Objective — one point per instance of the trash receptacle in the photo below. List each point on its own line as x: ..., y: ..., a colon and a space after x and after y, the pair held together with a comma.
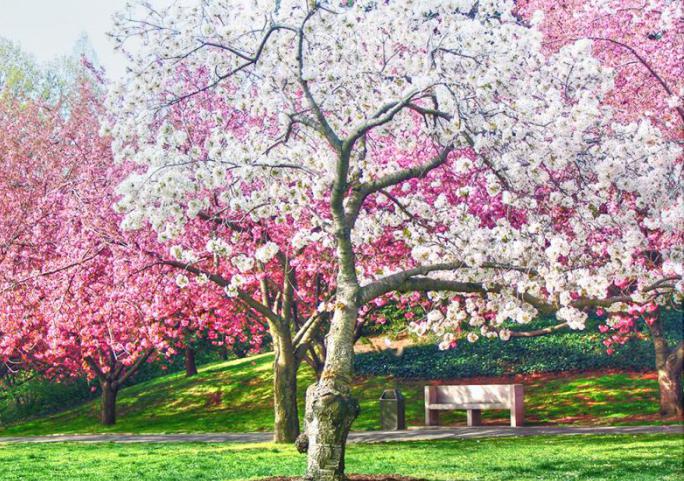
x: 392, y: 409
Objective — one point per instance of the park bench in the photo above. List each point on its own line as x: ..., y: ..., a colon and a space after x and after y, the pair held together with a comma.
x: 474, y: 398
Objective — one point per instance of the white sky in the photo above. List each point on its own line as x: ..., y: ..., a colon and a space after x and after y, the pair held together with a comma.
x: 50, y: 28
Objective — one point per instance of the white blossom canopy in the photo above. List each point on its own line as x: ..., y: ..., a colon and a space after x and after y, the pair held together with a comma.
x: 499, y: 167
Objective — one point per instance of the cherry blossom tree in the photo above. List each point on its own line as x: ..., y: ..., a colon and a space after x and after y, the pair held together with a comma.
x: 643, y: 42
x: 441, y: 128
x: 79, y: 296
x: 63, y: 311
x: 277, y: 271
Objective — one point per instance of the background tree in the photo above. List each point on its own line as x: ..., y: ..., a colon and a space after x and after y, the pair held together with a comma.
x: 80, y: 297
x: 644, y: 44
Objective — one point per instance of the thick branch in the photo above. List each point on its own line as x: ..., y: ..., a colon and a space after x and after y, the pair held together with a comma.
x: 391, y: 282
x: 306, y: 334
x: 539, y: 332
x: 383, y: 116
x: 134, y: 368
x: 364, y: 190
x: 223, y: 282
x: 324, y: 125
x: 93, y: 365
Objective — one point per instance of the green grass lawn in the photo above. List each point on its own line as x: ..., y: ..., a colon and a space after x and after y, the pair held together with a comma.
x: 235, y: 396
x: 596, y: 458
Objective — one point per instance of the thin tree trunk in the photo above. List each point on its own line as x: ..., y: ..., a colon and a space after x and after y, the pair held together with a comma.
x: 190, y: 366
x: 331, y: 409
x: 111, y: 381
x: 669, y: 368
x: 108, y: 414
x: 286, y: 426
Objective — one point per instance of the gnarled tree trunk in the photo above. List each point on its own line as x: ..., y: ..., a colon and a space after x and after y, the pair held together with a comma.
x: 331, y: 409
x: 190, y: 365
x: 669, y: 368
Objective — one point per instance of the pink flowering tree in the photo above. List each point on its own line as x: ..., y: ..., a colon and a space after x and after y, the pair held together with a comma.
x: 79, y: 296
x: 439, y: 129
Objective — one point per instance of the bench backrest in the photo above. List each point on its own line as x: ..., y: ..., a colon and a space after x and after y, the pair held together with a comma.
x: 496, y: 394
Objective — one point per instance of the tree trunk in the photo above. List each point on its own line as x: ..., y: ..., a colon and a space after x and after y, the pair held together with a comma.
x: 190, y: 366
x: 670, y: 384
x: 331, y: 409
x: 109, y: 393
x: 224, y: 352
x: 285, y: 366
x: 669, y: 367
x: 286, y: 427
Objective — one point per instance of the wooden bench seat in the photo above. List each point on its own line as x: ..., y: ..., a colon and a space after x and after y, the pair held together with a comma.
x: 474, y: 398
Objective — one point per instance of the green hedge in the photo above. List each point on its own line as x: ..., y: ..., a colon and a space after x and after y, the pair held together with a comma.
x: 553, y: 353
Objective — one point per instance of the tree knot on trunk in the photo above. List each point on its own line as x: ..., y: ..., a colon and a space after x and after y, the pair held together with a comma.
x: 302, y: 443
x: 330, y: 414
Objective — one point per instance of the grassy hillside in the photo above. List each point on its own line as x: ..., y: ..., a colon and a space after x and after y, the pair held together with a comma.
x: 235, y: 396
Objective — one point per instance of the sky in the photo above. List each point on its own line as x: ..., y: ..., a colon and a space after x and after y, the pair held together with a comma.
x: 51, y: 28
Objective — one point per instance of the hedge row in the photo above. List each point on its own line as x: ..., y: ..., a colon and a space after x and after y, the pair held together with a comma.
x: 486, y: 357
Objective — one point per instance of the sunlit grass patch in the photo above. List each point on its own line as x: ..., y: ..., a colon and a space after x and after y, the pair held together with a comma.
x: 235, y: 396
x: 596, y: 458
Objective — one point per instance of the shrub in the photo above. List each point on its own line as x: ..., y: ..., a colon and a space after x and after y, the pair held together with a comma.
x: 552, y: 353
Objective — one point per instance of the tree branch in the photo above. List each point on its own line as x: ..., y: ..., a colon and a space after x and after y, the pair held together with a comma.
x: 362, y: 191
x: 391, y: 282
x: 539, y: 332
x: 132, y: 370
x: 642, y: 61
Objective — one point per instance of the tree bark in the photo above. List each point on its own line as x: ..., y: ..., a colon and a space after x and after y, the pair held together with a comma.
x: 109, y: 392
x: 670, y: 384
x: 669, y: 368
x: 190, y: 366
x: 286, y: 426
x: 331, y: 409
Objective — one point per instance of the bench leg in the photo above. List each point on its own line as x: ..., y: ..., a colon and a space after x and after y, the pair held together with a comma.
x: 518, y: 408
x: 517, y: 416
x: 431, y: 417
x: 474, y: 417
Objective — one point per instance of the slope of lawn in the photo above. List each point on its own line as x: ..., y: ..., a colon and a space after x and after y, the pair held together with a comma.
x: 235, y: 396
x: 597, y: 458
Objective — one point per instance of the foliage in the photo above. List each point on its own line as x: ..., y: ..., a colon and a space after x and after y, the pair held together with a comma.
x: 537, y: 458
x: 559, y: 352
x: 27, y: 395
x: 442, y: 129
x: 433, y: 144
x: 79, y: 297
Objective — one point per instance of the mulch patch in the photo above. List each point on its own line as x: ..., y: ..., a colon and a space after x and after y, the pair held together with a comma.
x: 357, y: 477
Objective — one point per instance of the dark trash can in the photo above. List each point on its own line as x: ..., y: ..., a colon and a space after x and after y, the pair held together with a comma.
x: 392, y: 410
